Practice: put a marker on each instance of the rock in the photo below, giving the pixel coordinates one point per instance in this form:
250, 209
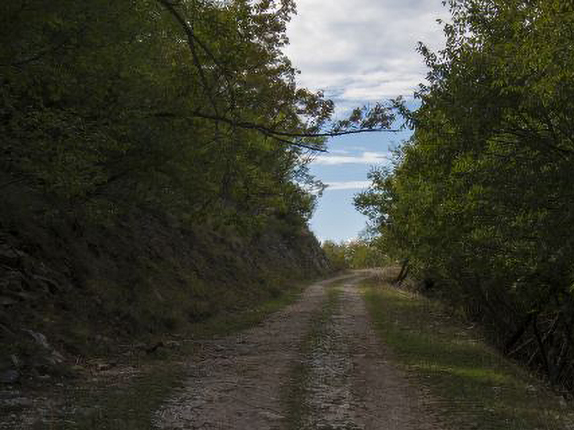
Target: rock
139, 345
102, 367
102, 339
172, 344
39, 338
26, 296
18, 402
155, 347
10, 376
5, 329
49, 355
12, 281
15, 361
52, 286
55, 358
7, 301
9, 255
272, 416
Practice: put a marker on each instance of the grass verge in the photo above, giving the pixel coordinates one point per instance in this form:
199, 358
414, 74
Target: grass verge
472, 385
295, 394
129, 403
232, 322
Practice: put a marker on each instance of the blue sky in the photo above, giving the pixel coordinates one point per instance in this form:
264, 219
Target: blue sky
359, 52
344, 169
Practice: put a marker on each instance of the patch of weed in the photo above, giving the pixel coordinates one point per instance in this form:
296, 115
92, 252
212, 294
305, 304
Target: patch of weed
475, 387
226, 323
295, 393
113, 405
123, 408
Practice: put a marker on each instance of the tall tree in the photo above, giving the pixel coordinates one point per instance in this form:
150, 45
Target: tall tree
188, 105
480, 199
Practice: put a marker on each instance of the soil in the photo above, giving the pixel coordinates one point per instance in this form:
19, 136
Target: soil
239, 382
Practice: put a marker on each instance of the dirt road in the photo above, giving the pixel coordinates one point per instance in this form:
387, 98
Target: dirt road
315, 365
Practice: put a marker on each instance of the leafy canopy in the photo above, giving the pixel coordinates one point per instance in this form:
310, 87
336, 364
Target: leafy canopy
480, 199
185, 105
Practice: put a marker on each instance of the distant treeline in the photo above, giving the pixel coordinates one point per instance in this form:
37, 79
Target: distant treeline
354, 254
481, 199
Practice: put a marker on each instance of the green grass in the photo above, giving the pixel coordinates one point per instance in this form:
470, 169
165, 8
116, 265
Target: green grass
295, 393
232, 322
109, 404
119, 408
474, 387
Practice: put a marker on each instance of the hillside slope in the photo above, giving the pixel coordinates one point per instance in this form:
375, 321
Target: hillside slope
79, 287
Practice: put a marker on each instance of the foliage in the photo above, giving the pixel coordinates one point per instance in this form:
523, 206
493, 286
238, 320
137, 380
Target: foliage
355, 254
336, 254
481, 197
474, 385
185, 105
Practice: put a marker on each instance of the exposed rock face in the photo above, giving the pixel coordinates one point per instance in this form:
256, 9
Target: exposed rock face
44, 358
24, 278
9, 376
9, 255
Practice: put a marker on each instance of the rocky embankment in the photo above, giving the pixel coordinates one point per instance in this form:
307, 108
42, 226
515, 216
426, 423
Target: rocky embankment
68, 291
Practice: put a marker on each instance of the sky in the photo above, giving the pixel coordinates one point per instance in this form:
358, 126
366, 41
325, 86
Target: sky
359, 52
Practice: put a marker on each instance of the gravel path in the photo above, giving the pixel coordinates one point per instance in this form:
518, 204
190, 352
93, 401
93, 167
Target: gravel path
239, 382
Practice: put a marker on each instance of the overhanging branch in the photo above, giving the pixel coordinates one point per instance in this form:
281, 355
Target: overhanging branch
169, 6
262, 128
278, 135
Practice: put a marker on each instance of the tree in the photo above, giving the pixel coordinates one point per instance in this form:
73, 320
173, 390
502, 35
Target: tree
480, 199
354, 254
185, 105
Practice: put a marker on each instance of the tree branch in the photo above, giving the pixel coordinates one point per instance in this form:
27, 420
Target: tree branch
262, 128
169, 6
278, 135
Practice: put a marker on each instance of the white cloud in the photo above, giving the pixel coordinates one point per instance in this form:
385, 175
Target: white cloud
339, 151
364, 158
347, 185
363, 51
359, 52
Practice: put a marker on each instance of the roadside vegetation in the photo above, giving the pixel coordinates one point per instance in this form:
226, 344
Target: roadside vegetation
468, 383
479, 201
154, 169
354, 254
127, 393
296, 393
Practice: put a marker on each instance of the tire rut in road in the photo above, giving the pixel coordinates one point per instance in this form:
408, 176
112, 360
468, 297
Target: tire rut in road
322, 386
236, 382
317, 364
346, 379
